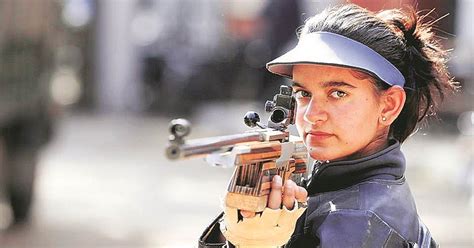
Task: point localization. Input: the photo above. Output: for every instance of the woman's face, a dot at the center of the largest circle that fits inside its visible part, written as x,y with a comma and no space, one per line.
337,113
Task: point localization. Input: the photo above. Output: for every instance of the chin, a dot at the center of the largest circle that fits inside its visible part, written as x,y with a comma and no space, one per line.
320,154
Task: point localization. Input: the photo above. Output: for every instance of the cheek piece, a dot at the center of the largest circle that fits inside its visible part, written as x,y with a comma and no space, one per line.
325,48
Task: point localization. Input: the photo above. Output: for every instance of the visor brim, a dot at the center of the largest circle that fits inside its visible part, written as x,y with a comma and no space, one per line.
324,48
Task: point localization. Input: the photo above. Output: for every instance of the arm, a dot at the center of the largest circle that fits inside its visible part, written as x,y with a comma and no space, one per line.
212,236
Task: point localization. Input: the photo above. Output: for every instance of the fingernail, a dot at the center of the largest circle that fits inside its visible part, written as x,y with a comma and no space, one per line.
277,179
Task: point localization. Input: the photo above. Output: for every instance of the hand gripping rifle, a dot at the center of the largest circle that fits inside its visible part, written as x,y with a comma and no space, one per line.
256,155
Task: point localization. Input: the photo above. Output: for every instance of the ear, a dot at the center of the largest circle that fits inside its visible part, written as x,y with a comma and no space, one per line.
392,102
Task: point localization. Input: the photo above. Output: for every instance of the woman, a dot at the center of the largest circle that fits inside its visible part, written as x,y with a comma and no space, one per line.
362,82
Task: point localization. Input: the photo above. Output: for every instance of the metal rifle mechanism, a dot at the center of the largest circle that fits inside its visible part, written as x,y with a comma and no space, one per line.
256,155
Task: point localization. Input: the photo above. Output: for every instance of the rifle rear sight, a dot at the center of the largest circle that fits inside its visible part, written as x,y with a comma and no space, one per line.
282,109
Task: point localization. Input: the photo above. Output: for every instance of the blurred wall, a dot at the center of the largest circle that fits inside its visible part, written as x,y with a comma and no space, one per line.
117,86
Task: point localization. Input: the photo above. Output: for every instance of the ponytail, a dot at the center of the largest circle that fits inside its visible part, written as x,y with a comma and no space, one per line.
424,67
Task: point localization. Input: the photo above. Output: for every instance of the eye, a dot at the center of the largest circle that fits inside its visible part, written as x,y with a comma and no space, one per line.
302,94
338,94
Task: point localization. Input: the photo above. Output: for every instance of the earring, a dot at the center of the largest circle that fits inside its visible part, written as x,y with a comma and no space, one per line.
384,118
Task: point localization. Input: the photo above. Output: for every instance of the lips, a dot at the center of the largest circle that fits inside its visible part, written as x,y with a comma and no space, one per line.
315,137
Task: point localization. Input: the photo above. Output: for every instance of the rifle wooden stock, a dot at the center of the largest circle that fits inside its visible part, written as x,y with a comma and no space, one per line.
250,184
256,156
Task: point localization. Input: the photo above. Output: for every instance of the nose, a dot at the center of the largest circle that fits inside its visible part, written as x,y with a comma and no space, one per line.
315,112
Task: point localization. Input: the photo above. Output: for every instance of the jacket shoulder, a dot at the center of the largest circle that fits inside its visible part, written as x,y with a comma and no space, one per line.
371,207
356,228
390,200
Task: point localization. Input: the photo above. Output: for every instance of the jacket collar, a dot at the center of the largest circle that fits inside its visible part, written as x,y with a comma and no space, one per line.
388,163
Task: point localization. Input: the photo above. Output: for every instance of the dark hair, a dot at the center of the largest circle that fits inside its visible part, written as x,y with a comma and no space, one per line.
401,38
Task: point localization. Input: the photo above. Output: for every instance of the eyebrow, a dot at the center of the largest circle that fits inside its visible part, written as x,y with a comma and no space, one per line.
337,84
327,84
294,83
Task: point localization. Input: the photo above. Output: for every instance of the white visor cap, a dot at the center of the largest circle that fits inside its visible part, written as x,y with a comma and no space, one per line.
325,48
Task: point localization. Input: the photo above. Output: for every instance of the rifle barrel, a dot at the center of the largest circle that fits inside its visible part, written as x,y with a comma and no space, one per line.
199,147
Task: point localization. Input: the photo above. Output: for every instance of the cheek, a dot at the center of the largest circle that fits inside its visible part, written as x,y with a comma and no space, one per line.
300,123
356,121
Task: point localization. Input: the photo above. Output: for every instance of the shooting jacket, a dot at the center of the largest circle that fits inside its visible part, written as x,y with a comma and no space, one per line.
364,202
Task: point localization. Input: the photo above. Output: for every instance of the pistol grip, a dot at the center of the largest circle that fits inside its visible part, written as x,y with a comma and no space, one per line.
246,202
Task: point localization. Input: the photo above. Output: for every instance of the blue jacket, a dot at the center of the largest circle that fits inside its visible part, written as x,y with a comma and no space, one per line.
359,203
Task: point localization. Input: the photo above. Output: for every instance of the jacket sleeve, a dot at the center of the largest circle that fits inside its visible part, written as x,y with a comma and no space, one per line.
212,236
356,228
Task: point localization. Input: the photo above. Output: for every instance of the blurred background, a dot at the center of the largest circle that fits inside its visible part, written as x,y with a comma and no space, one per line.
88,87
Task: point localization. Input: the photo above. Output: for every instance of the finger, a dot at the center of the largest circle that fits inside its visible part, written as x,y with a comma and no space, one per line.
301,194
247,214
289,194
274,199
265,192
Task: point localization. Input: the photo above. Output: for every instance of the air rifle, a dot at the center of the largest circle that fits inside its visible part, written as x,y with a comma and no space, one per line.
256,155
